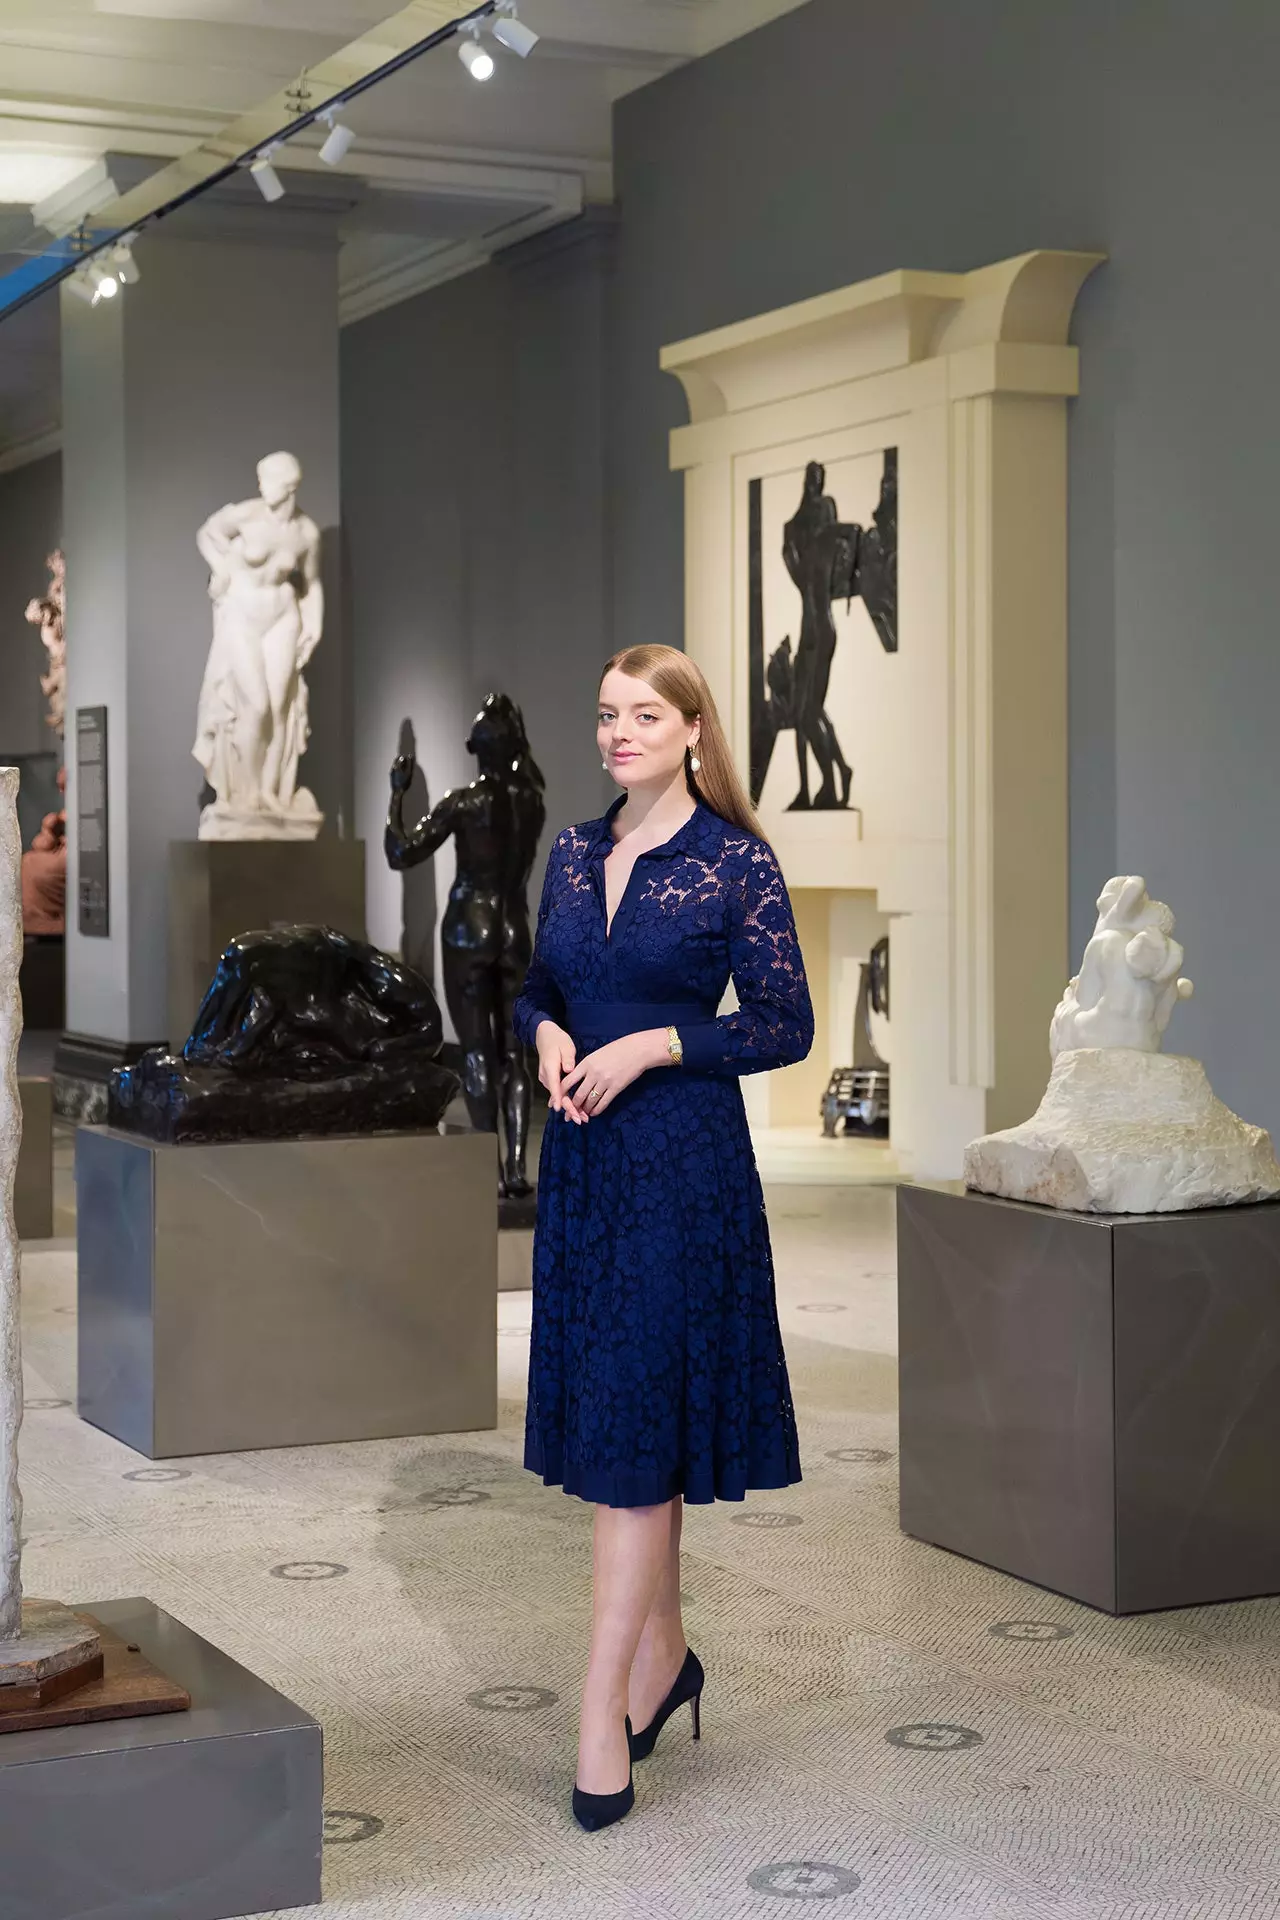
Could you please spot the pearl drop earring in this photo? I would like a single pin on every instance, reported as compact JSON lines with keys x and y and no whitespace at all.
{"x":605,"y":765}
{"x":695,"y":765}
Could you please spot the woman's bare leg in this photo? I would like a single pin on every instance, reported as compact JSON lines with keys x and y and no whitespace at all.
{"x":631,"y":1551}
{"x":660,"y":1654}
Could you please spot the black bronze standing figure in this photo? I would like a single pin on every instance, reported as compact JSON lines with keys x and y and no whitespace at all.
{"x":496,"y":823}
{"x":820,"y":553}
{"x":828,"y":560}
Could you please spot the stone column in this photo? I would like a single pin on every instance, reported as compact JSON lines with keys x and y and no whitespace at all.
{"x":10,"y":1141}
{"x":225,"y":350}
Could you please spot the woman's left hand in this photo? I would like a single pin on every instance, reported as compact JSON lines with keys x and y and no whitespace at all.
{"x":600,"y":1075}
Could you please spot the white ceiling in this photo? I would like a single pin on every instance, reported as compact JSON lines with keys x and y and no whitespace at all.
{"x":444,"y":171}
{"x":151,"y":76}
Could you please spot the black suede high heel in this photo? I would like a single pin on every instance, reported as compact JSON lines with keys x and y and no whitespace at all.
{"x":595,"y":1810}
{"x":687,"y":1686}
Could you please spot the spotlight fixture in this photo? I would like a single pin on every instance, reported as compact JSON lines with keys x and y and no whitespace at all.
{"x":123,"y":264}
{"x":104,"y":283}
{"x":338,"y":144}
{"x":477,"y":61}
{"x":269,"y":183}
{"x":511,"y":32}
{"x":79,"y":284}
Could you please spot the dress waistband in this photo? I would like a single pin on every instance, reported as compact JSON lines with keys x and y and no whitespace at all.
{"x":603,"y":1020}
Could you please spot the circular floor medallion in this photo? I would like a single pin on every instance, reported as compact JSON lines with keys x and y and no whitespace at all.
{"x":1031,"y":1630}
{"x":516,"y":1699}
{"x":767,"y":1522}
{"x":437,"y":1497}
{"x":43,"y":1406}
{"x":157,"y":1476}
{"x":342,"y":1829}
{"x":860,"y":1456}
{"x":803,"y":1880}
{"x":933,"y":1736}
{"x":822,"y":1306}
{"x":309,"y":1570}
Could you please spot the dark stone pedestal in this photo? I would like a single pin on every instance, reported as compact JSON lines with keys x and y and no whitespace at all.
{"x":33,"y":1187}
{"x":181,"y":1816}
{"x":42,"y":982}
{"x":1092,"y":1402}
{"x":287,"y":1292}
{"x":221,"y":888}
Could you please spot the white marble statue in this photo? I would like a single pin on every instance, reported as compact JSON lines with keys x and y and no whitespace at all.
{"x":1129,"y":980}
{"x":10,"y":1141}
{"x":1122,"y":1127}
{"x":268,"y":614}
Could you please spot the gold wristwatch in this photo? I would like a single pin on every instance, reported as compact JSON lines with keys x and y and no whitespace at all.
{"x":674,"y":1047}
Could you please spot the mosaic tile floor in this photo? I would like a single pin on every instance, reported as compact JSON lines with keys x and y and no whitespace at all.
{"x":887,"y":1730}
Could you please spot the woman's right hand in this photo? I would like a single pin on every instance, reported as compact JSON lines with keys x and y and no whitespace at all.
{"x":557,"y":1056}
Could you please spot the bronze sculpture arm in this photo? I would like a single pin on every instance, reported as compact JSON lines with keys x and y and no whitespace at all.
{"x":410,"y":846}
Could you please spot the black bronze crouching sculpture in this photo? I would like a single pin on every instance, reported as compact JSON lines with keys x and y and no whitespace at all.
{"x":496,"y":823}
{"x":303,"y":1031}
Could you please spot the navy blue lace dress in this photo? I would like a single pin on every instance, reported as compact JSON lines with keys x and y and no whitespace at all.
{"x":656,"y":1364}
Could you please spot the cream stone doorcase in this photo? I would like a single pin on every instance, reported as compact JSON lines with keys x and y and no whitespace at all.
{"x":953,"y":732}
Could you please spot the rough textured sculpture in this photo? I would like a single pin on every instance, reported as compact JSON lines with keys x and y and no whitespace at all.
{"x":496,"y":822}
{"x":10,"y":1141}
{"x":1122,"y":1127}
{"x":268,"y":616}
{"x":42,"y":1645}
{"x":49,"y":614}
{"x":303,"y":1031}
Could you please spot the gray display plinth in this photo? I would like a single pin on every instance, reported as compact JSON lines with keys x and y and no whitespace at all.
{"x":282,"y":1293}
{"x":180,"y":1816}
{"x":33,"y":1186}
{"x":220,"y":888}
{"x":1093,"y":1402}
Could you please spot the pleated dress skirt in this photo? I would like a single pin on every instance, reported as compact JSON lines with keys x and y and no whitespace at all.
{"x":656,"y":1363}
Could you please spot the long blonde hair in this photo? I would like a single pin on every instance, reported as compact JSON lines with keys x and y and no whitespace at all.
{"x":681,"y":681}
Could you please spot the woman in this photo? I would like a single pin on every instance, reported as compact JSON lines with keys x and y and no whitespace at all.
{"x":656,"y":1369}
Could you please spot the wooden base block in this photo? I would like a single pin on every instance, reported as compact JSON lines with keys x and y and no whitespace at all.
{"x":42,"y":1693}
{"x":127,"y":1685}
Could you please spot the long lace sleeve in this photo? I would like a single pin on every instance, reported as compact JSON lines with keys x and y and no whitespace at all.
{"x":539,"y":998}
{"x":773,"y":1023}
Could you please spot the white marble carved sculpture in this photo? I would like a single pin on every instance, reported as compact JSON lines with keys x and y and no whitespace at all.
{"x":49,"y":614}
{"x":10,"y":1141}
{"x":39,"y":1639}
{"x":268,"y":614}
{"x":1124,"y":1128}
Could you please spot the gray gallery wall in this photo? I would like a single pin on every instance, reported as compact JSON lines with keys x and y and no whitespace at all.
{"x":30,"y":528}
{"x":474,"y":496}
{"x":226,"y":350}
{"x":846,"y":140}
